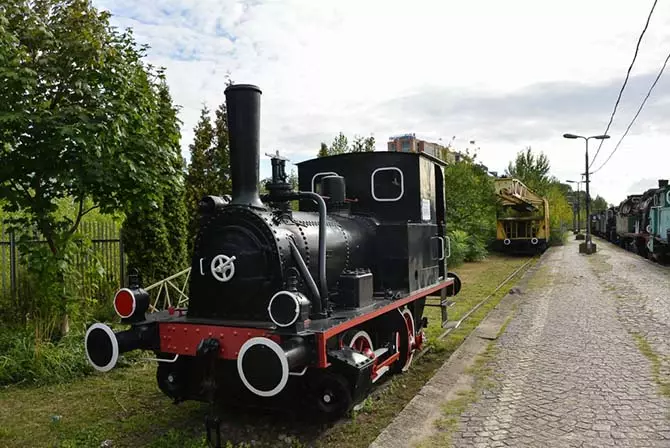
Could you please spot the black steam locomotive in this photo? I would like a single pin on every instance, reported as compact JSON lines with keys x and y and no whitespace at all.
{"x":318,"y":303}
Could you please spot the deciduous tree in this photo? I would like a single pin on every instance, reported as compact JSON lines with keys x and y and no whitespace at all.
{"x":471,"y":206}
{"x":79,"y":117}
{"x":531,"y":169}
{"x":599,"y":204}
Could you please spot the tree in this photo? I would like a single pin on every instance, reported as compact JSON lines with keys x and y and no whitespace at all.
{"x":599,"y":204}
{"x":198,"y":175}
{"x":154,"y":234}
{"x":340,"y":145}
{"x":470,"y":208}
{"x":363,"y":144}
{"x":530,"y":169}
{"x":79,"y":118}
{"x":220,"y":154}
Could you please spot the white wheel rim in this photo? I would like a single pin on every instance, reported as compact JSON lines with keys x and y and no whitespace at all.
{"x":408,"y":317}
{"x":361,"y":334}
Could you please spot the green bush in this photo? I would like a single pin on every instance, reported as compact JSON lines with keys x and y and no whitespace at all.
{"x":557,"y":236}
{"x":459,"y":247}
{"x":476,"y":250}
{"x":26,"y":359}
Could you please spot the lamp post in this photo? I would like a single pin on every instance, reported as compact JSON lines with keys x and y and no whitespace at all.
{"x":587,"y":247}
{"x":578,"y":182}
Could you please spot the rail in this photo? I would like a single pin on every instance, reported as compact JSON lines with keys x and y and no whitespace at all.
{"x":446,"y":333}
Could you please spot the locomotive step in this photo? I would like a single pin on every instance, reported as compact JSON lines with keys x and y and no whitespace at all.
{"x":380,"y":351}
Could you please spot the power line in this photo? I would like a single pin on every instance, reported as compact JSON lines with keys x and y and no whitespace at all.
{"x":625,"y":81}
{"x":636,"y":114}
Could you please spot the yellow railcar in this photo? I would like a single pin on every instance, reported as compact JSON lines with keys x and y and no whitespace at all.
{"x":522,"y":223}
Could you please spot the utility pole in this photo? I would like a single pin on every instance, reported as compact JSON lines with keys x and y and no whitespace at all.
{"x":579,"y":230}
{"x":587,"y":247}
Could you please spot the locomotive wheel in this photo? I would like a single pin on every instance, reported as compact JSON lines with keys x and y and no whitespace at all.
{"x":409,"y":335}
{"x":406,"y":342}
{"x":361,"y":342}
{"x":330,"y":395}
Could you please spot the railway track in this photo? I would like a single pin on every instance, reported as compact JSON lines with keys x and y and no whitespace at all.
{"x":458,"y":323}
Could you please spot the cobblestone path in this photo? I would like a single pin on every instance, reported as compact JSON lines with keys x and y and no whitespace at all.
{"x":569,"y":371}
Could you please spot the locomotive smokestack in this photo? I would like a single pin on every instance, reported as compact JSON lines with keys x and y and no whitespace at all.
{"x":244,"y":122}
{"x":662,"y":183}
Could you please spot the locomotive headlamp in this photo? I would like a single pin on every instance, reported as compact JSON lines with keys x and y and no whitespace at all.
{"x":285,"y":308}
{"x":131,"y":303}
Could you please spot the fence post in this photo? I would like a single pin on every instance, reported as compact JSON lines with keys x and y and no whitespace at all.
{"x":122,"y":261}
{"x":12,"y":264}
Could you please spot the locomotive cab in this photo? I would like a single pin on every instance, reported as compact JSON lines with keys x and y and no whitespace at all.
{"x":404,"y":193}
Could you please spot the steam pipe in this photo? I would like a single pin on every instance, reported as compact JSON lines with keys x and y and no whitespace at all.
{"x":316,"y":303}
{"x":323,"y":284}
{"x":244,"y":121}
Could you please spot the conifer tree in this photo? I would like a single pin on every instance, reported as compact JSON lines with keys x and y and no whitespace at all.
{"x":198,"y":175}
{"x":154,"y":232}
{"x":220,"y":154}
{"x":174,"y":204}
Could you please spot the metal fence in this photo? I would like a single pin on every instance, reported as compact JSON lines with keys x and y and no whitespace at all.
{"x":107,"y":250}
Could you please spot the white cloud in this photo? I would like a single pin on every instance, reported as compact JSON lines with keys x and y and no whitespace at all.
{"x":340,"y":65}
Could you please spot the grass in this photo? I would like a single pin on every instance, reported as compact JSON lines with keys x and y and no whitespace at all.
{"x":479,"y":280}
{"x":655,"y":360}
{"x":126,"y":407}
{"x":599,"y":263}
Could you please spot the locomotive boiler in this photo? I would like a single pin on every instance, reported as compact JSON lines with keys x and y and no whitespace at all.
{"x":317,"y":303}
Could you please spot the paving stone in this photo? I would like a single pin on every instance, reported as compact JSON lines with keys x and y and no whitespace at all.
{"x":567,"y":372}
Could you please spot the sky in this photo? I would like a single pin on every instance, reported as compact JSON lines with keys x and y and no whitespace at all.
{"x":505,"y":75}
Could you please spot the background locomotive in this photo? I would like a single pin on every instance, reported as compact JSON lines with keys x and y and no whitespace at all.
{"x":641,"y":223}
{"x":522,"y":222}
{"x":318,"y":303}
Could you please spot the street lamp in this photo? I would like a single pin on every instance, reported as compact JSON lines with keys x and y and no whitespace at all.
{"x":588,"y":247}
{"x":578,"y":182}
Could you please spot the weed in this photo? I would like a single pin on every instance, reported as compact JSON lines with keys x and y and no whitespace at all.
{"x":480,"y":372}
{"x":653,"y":357}
{"x":28,"y":360}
